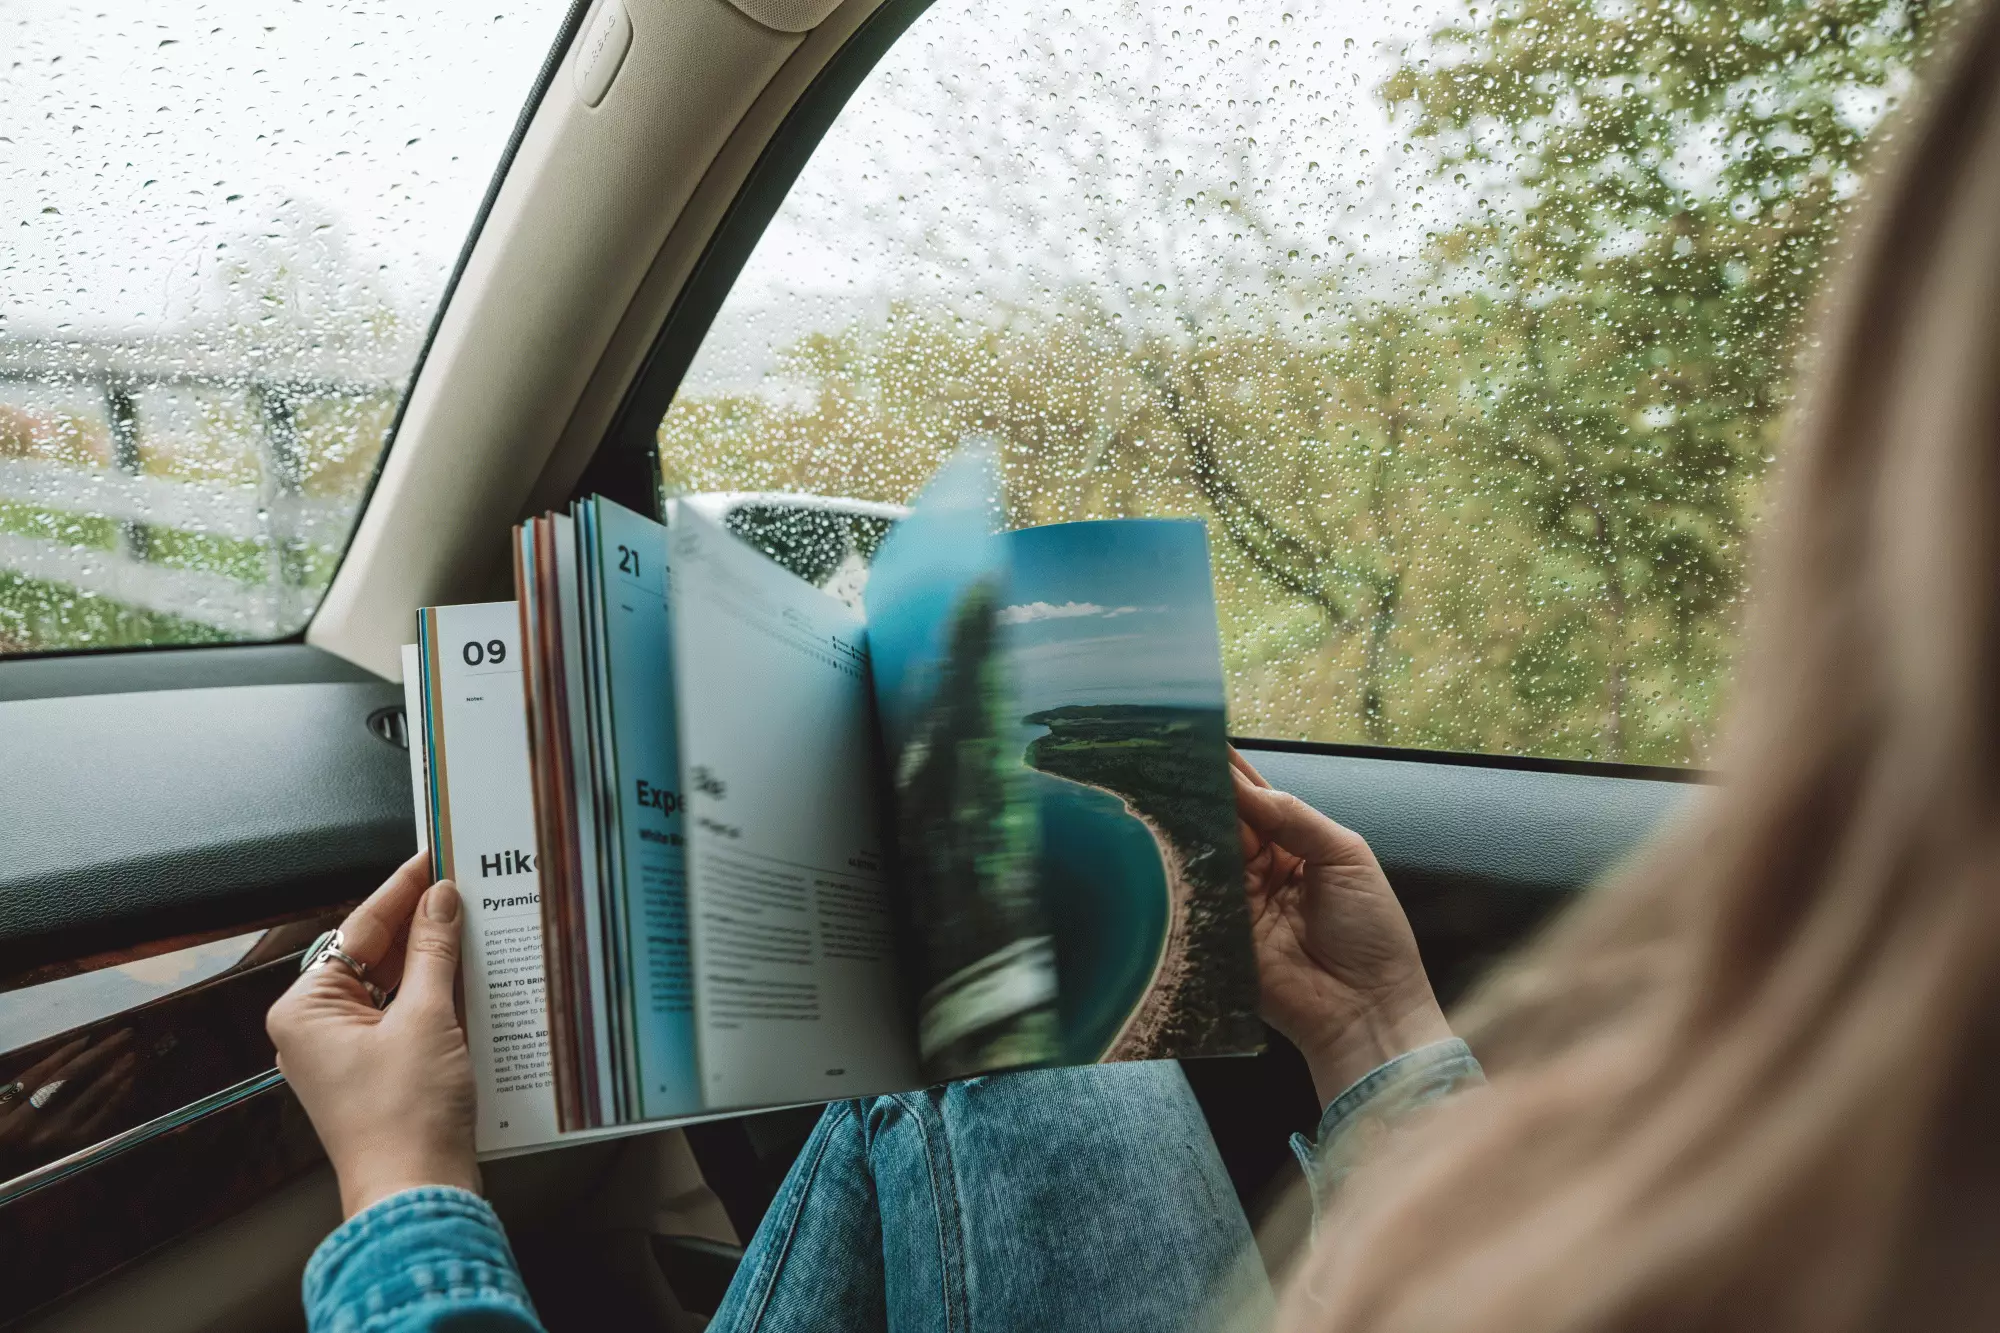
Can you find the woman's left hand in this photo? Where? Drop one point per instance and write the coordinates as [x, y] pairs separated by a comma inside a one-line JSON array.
[[1337, 963], [390, 1091]]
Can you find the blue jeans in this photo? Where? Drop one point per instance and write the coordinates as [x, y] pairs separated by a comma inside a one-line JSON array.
[[1080, 1199]]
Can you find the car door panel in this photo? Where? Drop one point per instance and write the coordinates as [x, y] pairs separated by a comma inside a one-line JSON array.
[[144, 814], [60, 676], [1480, 853], [176, 828]]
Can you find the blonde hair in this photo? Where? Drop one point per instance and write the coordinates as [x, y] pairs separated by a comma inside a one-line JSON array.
[[1755, 1083]]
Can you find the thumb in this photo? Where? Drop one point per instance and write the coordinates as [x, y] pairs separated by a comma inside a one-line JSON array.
[[430, 963], [1295, 826]]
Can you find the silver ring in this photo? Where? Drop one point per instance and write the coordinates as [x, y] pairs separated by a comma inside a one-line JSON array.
[[327, 949], [43, 1095], [330, 946], [11, 1091]]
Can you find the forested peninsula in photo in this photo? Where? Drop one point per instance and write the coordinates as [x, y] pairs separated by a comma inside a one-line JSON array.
[[1167, 767]]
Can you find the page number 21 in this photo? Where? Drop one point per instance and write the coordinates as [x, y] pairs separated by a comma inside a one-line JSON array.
[[628, 561]]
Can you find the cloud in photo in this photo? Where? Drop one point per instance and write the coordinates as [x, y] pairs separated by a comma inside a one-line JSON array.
[[1029, 613]]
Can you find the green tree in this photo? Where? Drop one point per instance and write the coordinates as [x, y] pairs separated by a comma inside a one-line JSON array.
[[1650, 193]]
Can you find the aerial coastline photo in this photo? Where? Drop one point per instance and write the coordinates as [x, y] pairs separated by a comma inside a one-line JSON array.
[[1052, 708], [1111, 640]]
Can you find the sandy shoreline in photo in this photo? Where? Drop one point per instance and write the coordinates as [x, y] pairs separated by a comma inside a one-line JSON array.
[[1140, 1035]]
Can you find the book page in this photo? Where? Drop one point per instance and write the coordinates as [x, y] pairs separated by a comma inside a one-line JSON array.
[[1052, 703], [413, 733], [797, 994], [484, 818], [631, 557], [967, 831], [583, 802], [1109, 635], [559, 866], [592, 701]]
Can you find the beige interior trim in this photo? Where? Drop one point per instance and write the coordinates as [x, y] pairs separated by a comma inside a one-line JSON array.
[[788, 15], [241, 1274], [625, 355], [588, 240]]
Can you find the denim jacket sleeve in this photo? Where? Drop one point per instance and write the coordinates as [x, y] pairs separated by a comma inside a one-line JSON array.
[[1355, 1121], [422, 1261]]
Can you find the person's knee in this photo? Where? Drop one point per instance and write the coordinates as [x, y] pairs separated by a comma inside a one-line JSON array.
[[1146, 1087], [876, 1118], [1139, 1100]]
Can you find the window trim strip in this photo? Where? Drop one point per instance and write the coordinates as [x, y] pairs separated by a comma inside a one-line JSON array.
[[84, 1158], [1523, 763]]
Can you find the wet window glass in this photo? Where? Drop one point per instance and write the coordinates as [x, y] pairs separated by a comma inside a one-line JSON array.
[[228, 229], [1468, 328]]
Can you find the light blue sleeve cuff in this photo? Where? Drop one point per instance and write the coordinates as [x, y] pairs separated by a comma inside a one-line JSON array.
[[1356, 1120], [425, 1259]]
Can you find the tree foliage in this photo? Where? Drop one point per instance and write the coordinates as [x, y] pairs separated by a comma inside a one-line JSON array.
[[1498, 503]]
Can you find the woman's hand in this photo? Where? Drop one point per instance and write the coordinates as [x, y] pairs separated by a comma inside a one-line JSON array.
[[1341, 977], [390, 1091]]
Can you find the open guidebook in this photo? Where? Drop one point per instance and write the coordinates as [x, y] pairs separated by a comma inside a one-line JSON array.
[[726, 842]]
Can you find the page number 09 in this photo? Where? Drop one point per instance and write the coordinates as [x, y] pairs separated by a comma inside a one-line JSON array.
[[491, 653]]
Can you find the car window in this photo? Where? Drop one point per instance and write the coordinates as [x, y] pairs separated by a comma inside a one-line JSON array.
[[229, 227], [1467, 327]]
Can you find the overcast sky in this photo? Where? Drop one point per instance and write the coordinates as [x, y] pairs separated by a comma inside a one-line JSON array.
[[1112, 613], [146, 145], [150, 153], [1000, 149]]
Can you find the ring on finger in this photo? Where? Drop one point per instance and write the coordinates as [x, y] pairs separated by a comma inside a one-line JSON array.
[[329, 948], [45, 1094], [11, 1091]]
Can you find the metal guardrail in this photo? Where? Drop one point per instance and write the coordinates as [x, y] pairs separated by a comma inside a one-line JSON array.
[[292, 530], [237, 512], [245, 610]]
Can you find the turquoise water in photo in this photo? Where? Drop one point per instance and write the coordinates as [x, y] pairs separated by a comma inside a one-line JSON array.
[[1105, 892]]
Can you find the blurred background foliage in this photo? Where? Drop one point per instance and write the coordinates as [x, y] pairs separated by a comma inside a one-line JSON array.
[[1496, 500]]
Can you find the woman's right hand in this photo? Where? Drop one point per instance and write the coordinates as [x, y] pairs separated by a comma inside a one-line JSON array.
[[1340, 974], [390, 1091]]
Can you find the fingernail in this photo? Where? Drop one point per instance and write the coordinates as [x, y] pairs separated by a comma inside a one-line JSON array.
[[441, 903]]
